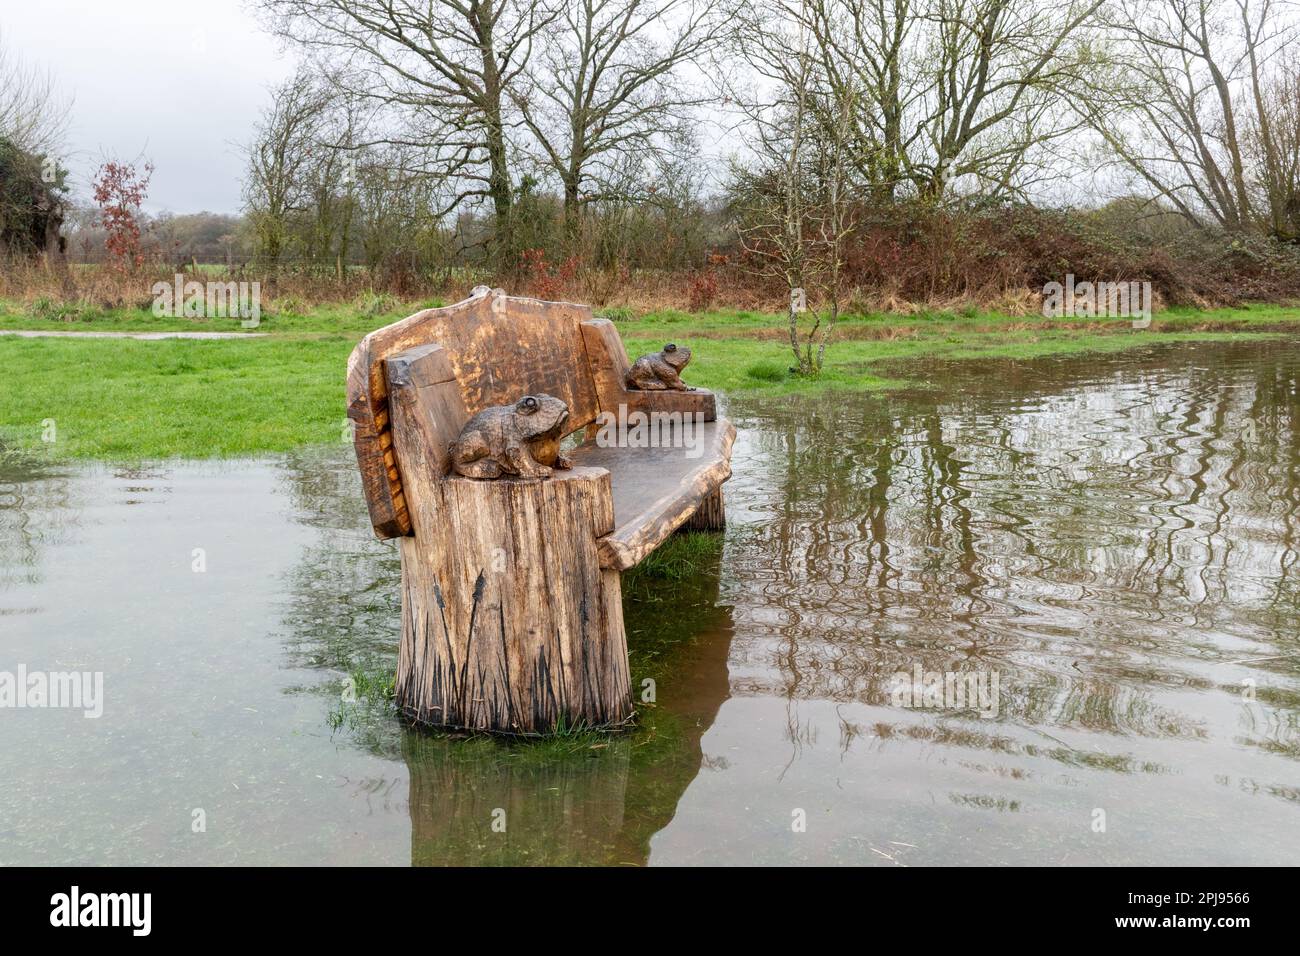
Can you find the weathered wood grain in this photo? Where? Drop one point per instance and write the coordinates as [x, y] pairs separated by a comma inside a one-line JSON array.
[[498, 347], [656, 490], [711, 515], [422, 381], [509, 622]]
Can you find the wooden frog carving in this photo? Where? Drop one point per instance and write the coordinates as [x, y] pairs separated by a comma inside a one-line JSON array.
[[661, 370], [520, 440]]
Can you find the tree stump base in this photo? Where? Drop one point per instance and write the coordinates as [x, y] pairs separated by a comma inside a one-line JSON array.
[[509, 623]]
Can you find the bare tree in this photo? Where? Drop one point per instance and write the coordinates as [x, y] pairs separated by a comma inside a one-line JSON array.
[[996, 95], [443, 69], [397, 235], [33, 114], [1188, 86], [793, 206], [949, 94], [278, 185], [332, 175], [608, 85], [33, 185], [1273, 150]]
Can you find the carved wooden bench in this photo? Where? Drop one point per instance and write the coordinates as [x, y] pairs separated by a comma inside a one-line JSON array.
[[512, 616]]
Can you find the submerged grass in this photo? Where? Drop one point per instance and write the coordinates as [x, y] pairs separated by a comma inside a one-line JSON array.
[[366, 696], [124, 400], [682, 557]]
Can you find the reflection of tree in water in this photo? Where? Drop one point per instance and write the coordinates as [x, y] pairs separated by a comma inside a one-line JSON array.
[[345, 609], [1087, 527], [38, 509], [1104, 532], [585, 799]]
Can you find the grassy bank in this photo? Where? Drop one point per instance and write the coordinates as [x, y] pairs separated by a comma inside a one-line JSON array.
[[123, 399]]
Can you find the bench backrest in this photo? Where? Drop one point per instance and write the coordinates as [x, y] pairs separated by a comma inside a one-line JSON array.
[[499, 349]]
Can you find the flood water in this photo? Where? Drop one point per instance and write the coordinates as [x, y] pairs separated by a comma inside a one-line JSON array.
[[1114, 538]]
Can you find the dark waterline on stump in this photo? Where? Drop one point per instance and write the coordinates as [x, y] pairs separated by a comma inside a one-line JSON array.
[[1115, 537]]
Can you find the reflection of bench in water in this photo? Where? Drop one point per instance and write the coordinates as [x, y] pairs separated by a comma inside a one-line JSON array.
[[512, 615], [575, 805]]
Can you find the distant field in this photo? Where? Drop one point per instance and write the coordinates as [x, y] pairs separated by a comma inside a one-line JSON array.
[[127, 400]]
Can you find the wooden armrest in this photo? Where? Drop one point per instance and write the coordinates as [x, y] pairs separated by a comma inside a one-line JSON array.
[[427, 412]]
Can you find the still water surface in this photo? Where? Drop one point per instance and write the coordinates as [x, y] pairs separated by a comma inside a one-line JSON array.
[[1116, 538]]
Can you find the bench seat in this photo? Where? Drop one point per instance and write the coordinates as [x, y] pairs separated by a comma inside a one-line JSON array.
[[656, 490]]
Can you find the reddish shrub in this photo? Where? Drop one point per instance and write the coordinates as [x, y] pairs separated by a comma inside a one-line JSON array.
[[704, 289], [545, 281], [119, 191]]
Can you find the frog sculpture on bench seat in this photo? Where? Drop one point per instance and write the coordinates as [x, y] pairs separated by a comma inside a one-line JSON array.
[[518, 441], [660, 371]]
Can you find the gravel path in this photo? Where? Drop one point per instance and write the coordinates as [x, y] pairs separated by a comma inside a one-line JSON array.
[[150, 336]]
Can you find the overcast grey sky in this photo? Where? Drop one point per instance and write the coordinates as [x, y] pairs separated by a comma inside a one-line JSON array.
[[179, 81]]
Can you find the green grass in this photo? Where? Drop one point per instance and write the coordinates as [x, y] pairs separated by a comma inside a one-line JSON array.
[[130, 400], [768, 371], [681, 558]]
